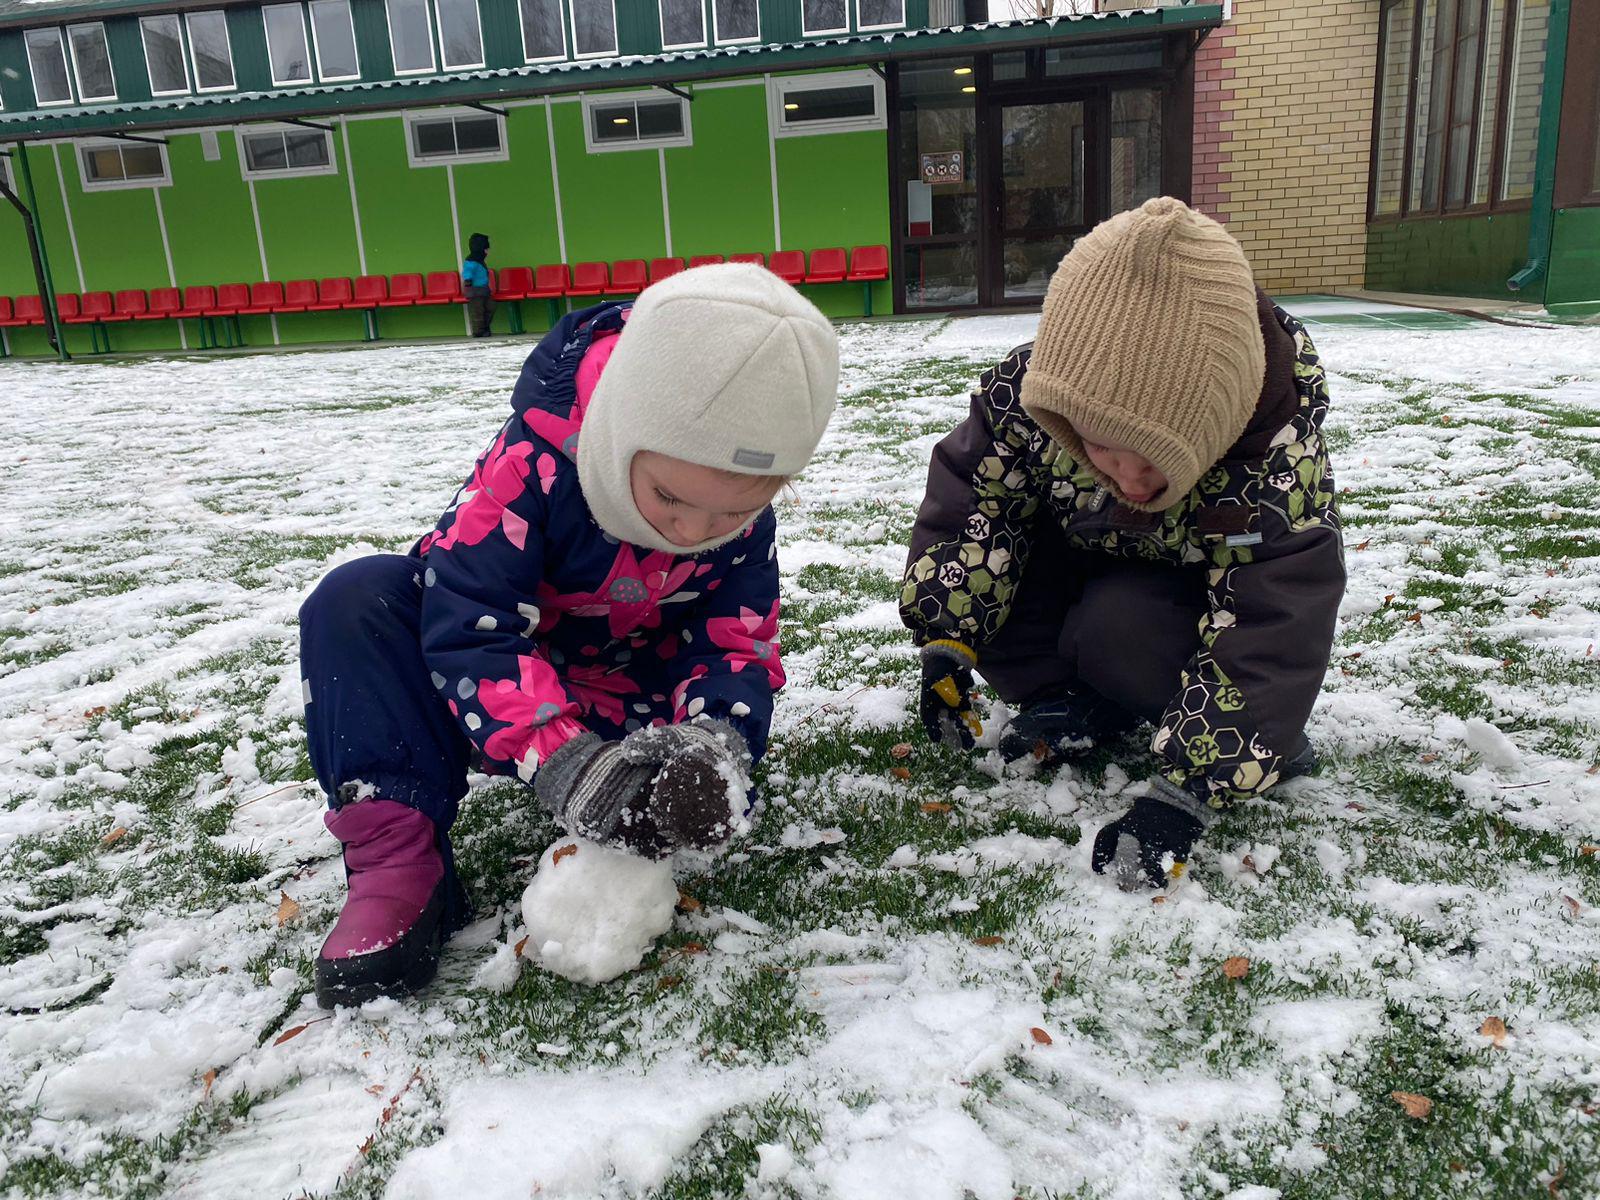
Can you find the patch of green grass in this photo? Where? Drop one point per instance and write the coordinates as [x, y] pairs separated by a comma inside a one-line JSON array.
[[724, 1161]]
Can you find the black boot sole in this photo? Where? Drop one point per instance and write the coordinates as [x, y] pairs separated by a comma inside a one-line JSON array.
[[399, 970]]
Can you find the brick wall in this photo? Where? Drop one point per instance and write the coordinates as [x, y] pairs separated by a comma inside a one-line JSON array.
[[1282, 136]]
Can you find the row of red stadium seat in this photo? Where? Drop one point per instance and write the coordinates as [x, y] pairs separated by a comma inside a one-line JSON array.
[[370, 293]]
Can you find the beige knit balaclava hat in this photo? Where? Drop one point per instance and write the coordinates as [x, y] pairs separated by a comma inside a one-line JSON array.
[[724, 366], [1150, 339]]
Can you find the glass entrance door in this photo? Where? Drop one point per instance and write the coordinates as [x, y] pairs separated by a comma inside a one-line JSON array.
[[1043, 201]]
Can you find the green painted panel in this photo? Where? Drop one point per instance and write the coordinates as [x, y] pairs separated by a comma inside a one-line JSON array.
[[833, 190], [207, 210], [1574, 257], [128, 67], [513, 201], [728, 159], [119, 237], [1462, 256], [16, 85], [371, 21], [247, 37], [610, 203], [16, 264], [405, 211], [302, 248], [502, 34]]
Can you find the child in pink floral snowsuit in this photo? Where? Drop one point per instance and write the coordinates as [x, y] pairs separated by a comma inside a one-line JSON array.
[[597, 615]]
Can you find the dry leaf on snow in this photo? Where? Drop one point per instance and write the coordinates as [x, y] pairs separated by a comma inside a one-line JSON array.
[[1494, 1029], [115, 836], [1040, 1036], [1417, 1106], [290, 1033], [208, 1078], [988, 939], [900, 750], [935, 806], [687, 902], [900, 772], [288, 909], [517, 949], [563, 852], [1236, 967], [1573, 906]]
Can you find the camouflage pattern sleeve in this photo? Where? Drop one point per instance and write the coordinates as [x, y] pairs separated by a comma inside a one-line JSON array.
[[986, 482], [1274, 592]]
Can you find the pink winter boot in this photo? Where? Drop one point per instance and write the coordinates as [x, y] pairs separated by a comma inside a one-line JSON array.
[[386, 941]]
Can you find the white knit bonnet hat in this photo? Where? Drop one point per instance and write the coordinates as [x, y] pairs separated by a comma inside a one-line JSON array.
[[724, 366]]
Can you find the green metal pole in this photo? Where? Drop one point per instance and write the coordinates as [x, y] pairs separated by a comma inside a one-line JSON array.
[[1542, 229], [52, 318]]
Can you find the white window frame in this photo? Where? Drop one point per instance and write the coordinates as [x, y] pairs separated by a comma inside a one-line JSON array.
[[716, 31], [227, 38], [433, 48], [305, 22], [316, 48], [66, 64], [76, 81], [777, 85], [592, 101], [661, 20], [118, 185], [425, 116], [183, 53], [522, 34], [845, 28], [241, 132], [616, 44], [861, 28], [438, 30]]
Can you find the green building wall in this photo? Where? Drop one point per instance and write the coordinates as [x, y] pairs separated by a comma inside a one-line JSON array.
[[379, 215], [1461, 256], [1574, 278]]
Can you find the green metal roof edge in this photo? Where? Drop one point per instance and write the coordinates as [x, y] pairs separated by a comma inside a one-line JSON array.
[[487, 86], [23, 13]]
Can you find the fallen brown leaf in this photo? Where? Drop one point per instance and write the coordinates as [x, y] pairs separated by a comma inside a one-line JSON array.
[[1364, 545], [208, 1078], [1414, 617], [900, 750], [900, 772], [290, 1033], [1158, 899], [517, 949], [988, 939], [1430, 757], [563, 852], [692, 948], [1416, 1106], [669, 981], [935, 806], [1236, 967], [1588, 851], [687, 902], [1494, 1029], [1040, 1036], [374, 1089], [288, 909], [115, 836], [99, 710], [1572, 905]]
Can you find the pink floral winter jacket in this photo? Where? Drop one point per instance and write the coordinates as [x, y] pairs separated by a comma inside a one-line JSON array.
[[537, 625]]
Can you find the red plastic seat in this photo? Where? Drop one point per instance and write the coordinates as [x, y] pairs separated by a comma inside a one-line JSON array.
[[404, 290], [28, 310], [789, 265], [197, 301], [298, 295], [869, 263], [164, 303], [704, 260], [129, 305], [759, 260], [334, 293], [665, 268], [827, 266], [443, 287], [265, 298], [590, 279], [82, 310], [629, 277], [231, 298], [513, 283], [551, 281], [370, 291], [7, 319]]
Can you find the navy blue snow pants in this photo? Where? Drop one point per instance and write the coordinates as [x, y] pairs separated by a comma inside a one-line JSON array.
[[373, 716]]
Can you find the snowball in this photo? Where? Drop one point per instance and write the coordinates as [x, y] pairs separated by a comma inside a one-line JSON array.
[[499, 972], [595, 912], [1489, 744], [776, 1162]]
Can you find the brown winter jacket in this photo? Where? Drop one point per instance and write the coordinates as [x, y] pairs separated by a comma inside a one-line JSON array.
[[1262, 524]]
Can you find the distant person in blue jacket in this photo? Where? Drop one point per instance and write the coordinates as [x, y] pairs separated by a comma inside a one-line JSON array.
[[475, 283], [595, 614]]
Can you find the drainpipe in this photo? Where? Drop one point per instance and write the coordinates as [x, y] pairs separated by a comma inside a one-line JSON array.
[[1542, 228], [41, 261]]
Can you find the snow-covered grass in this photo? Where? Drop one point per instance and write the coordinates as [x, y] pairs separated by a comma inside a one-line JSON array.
[[898, 986]]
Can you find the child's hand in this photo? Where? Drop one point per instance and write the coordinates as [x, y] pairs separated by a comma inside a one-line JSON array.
[[702, 776], [946, 705], [1150, 843], [600, 793]]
